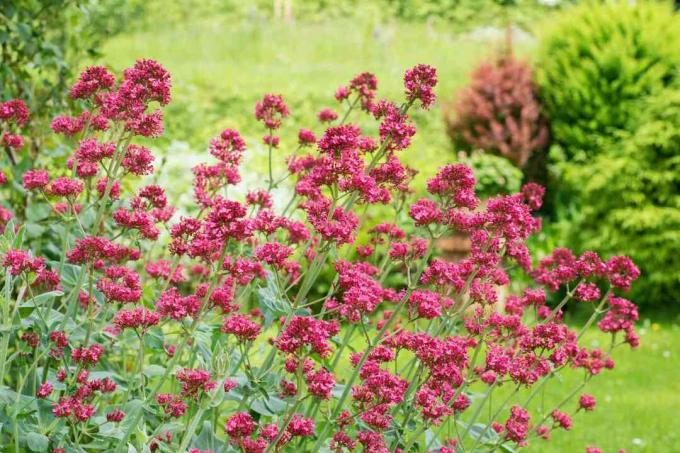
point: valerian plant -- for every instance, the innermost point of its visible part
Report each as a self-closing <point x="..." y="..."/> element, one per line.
<point x="147" y="330"/>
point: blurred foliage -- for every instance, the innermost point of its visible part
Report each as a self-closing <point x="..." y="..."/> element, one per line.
<point x="630" y="196"/>
<point x="495" y="175"/>
<point x="499" y="112"/>
<point x="462" y="14"/>
<point x="597" y="61"/>
<point x="613" y="187"/>
<point x="42" y="41"/>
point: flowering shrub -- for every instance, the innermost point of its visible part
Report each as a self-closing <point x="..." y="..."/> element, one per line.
<point x="153" y="331"/>
<point x="499" y="112"/>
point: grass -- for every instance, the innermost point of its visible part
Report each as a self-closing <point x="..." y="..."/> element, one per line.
<point x="221" y="67"/>
<point x="637" y="402"/>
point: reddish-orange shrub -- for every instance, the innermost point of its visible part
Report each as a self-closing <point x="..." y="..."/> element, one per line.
<point x="499" y="112"/>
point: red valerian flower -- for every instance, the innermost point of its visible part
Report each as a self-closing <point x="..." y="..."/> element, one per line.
<point x="517" y="426"/>
<point x="271" y="110"/>
<point x="115" y="416"/>
<point x="561" y="419"/>
<point x="242" y="327"/>
<point x="320" y="383"/>
<point x="239" y="425"/>
<point x="306" y="137"/>
<point x="92" y="80"/>
<point x="44" y="390"/>
<point x="36" y="179"/>
<point x="14" y="110"/>
<point x="228" y="147"/>
<point x="419" y="82"/>
<point x="13" y="141"/>
<point x="586" y="402"/>
<point x="622" y="272"/>
<point x="136" y="318"/>
<point x="65" y="187"/>
<point x="327" y="115"/>
<point x="195" y="381"/>
<point x="425" y="212"/>
<point x="87" y="356"/>
<point x="307" y="331"/>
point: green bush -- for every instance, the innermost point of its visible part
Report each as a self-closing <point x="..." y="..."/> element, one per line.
<point x="495" y="174"/>
<point x="630" y="199"/>
<point x="597" y="61"/>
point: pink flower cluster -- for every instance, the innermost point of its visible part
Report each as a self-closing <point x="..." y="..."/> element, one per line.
<point x="316" y="326"/>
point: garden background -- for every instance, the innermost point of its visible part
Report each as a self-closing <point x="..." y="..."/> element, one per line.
<point x="604" y="77"/>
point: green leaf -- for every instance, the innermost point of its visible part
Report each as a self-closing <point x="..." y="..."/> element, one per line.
<point x="431" y="440"/>
<point x="41" y="298"/>
<point x="154" y="370"/>
<point x="507" y="448"/>
<point x="338" y="390"/>
<point x="206" y="439"/>
<point x="480" y="432"/>
<point x="37" y="441"/>
<point x="269" y="407"/>
<point x="270" y="302"/>
<point x="36" y="212"/>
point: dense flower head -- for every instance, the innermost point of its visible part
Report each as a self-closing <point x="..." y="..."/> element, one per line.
<point x="361" y="292"/>
<point x="36" y="179"/>
<point x="138" y="160"/>
<point x="395" y="128"/>
<point x="87" y="356"/>
<point x="173" y="405"/>
<point x="425" y="212"/>
<point x="239" y="425"/>
<point x="561" y="419"/>
<point x="65" y="187"/>
<point x="273" y="253"/>
<point x="622" y="315"/>
<point x="320" y="383"/>
<point x="517" y="426"/>
<point x="326" y="115"/>
<point x="136" y="318"/>
<point x="173" y="305"/>
<point x="120" y="284"/>
<point x="271" y="110"/>
<point x="44" y="390"/>
<point x="17" y="261"/>
<point x="13" y="141"/>
<point x="148" y="80"/>
<point x="301" y="426"/>
<point x="419" y="82"/>
<point x="228" y="147"/>
<point x="622" y="272"/>
<point x="242" y="327"/>
<point x="306" y="137"/>
<point x="455" y="182"/>
<point x="586" y="402"/>
<point x="195" y="381"/>
<point x="91" y="150"/>
<point x="14" y="110"/>
<point x="115" y="416"/>
<point x="364" y="85"/>
<point x="304" y="331"/>
<point x="92" y="80"/>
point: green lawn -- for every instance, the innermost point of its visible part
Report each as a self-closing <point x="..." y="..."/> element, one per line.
<point x="638" y="402"/>
<point x="221" y="67"/>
